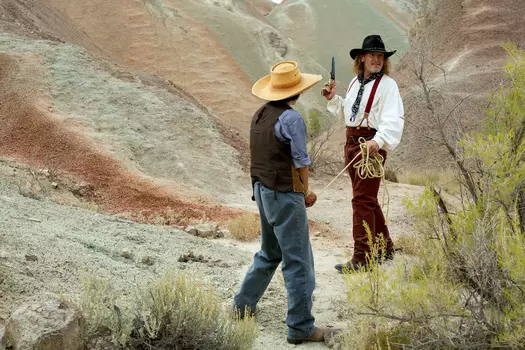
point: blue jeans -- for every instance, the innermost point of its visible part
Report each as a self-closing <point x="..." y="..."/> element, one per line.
<point x="285" y="238"/>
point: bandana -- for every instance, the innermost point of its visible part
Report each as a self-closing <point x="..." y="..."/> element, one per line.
<point x="362" y="82"/>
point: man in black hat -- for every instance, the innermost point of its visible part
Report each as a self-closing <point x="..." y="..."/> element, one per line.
<point x="372" y="109"/>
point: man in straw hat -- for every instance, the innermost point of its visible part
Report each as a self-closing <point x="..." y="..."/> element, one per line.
<point x="279" y="172"/>
<point x="373" y="110"/>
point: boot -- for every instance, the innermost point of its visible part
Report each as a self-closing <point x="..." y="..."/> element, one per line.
<point x="318" y="336"/>
<point x="352" y="266"/>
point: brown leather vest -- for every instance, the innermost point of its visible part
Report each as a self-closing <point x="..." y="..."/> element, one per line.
<point x="271" y="159"/>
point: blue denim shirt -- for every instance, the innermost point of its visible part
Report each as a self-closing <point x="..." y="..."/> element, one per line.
<point x="291" y="129"/>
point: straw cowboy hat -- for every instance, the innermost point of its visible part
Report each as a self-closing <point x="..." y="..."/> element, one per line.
<point x="372" y="43"/>
<point x="285" y="80"/>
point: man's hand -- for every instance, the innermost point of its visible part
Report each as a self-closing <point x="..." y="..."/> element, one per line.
<point x="328" y="92"/>
<point x="373" y="148"/>
<point x="310" y="199"/>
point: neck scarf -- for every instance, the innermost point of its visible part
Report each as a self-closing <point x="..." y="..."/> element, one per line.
<point x="362" y="82"/>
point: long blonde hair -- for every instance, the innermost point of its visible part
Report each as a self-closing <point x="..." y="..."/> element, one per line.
<point x="359" y="67"/>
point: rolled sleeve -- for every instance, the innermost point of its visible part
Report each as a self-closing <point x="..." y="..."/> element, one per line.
<point x="291" y="129"/>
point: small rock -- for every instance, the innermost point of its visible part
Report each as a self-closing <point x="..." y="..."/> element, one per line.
<point x="126" y="253"/>
<point x="49" y="324"/>
<point x="31" y="257"/>
<point x="221" y="233"/>
<point x="332" y="337"/>
<point x="190" y="257"/>
<point x="327" y="222"/>
<point x="317" y="234"/>
<point x="206" y="230"/>
<point x="191" y="230"/>
<point x="54" y="184"/>
<point x="147" y="260"/>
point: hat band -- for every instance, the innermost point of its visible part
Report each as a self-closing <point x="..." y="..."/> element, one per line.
<point x="373" y="48"/>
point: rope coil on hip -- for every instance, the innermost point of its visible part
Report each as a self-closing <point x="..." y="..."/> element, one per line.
<point x="368" y="167"/>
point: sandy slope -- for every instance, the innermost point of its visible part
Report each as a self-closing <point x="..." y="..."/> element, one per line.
<point x="214" y="50"/>
<point x="138" y="144"/>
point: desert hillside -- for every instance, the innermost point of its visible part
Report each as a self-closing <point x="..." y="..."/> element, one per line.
<point x="214" y="50"/>
<point x="136" y="143"/>
<point x="458" y="42"/>
<point x="462" y="45"/>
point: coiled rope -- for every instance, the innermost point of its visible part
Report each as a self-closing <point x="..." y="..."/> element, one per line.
<point x="368" y="167"/>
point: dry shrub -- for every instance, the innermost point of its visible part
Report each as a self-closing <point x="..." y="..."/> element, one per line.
<point x="102" y="313"/>
<point x="246" y="227"/>
<point x="412" y="244"/>
<point x="172" y="313"/>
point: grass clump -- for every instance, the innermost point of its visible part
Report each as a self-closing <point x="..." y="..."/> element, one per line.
<point x="245" y="228"/>
<point x="172" y="313"/>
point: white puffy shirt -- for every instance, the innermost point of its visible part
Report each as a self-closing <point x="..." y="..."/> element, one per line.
<point x="386" y="115"/>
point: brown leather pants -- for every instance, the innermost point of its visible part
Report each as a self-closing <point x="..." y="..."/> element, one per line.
<point x="365" y="204"/>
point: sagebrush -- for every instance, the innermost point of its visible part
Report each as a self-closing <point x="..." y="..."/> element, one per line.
<point x="172" y="313"/>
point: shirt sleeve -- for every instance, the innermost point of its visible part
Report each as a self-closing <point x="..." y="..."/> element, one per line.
<point x="291" y="128"/>
<point x="335" y="106"/>
<point x="391" y="118"/>
<point x="337" y="103"/>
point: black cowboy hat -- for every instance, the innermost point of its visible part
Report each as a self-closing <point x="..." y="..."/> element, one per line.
<point x="372" y="43"/>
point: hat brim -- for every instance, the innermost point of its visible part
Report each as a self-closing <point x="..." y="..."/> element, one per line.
<point x="356" y="52"/>
<point x="264" y="90"/>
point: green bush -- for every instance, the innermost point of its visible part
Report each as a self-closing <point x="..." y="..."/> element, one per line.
<point x="172" y="313"/>
<point x="466" y="289"/>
